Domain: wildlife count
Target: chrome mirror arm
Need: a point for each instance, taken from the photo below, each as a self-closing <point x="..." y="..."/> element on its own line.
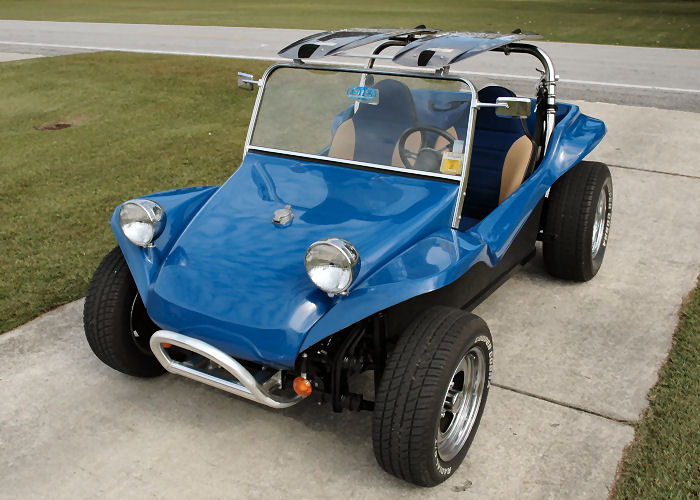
<point x="480" y="105"/>
<point x="247" y="81"/>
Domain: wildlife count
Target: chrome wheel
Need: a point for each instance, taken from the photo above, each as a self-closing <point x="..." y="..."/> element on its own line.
<point x="599" y="223"/>
<point x="460" y="406"/>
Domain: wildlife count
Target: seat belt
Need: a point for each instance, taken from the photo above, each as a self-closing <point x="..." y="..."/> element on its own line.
<point x="538" y="134"/>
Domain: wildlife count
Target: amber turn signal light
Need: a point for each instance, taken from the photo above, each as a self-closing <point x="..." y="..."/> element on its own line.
<point x="166" y="345"/>
<point x="302" y="387"/>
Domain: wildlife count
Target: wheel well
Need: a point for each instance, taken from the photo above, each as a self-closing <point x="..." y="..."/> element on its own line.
<point x="333" y="362"/>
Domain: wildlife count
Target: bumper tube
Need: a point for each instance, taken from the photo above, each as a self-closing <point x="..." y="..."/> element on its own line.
<point x="245" y="385"/>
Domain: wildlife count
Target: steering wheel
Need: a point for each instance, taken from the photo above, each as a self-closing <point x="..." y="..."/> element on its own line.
<point x="426" y="159"/>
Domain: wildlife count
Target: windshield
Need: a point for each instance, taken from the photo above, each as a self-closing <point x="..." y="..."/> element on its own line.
<point x="393" y="121"/>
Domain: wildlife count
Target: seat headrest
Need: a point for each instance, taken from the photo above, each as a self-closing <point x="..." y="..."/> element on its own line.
<point x="486" y="117"/>
<point x="493" y="92"/>
<point x="395" y="104"/>
<point x="441" y="108"/>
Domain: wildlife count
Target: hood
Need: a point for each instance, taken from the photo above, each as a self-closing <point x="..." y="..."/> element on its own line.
<point x="236" y="280"/>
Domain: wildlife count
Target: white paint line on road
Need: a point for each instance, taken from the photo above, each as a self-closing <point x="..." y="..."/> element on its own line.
<point x="265" y="58"/>
<point x="139" y="51"/>
<point x="632" y="86"/>
<point x="585" y="82"/>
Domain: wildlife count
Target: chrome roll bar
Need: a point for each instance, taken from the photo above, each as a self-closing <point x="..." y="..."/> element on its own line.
<point x="549" y="79"/>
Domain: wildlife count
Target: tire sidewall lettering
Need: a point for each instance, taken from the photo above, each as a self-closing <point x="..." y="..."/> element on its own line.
<point x="608" y="213"/>
<point x="443" y="471"/>
<point x="483" y="339"/>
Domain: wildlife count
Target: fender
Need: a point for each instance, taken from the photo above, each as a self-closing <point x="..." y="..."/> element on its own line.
<point x="180" y="206"/>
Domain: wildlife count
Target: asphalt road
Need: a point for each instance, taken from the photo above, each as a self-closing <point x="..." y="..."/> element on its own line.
<point x="573" y="362"/>
<point x="662" y="78"/>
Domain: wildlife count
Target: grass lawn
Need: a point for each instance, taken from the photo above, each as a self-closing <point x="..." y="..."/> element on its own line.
<point x="664" y="460"/>
<point x="142" y="123"/>
<point x="652" y="23"/>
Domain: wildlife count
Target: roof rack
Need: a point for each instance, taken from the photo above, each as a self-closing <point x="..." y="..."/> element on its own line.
<point x="421" y="47"/>
<point x="328" y="43"/>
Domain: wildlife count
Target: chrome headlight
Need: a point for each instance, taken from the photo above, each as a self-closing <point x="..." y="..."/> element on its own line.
<point x="332" y="265"/>
<point x="141" y="221"/>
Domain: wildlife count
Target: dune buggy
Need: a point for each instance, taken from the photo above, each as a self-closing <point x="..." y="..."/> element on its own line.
<point x="374" y="207"/>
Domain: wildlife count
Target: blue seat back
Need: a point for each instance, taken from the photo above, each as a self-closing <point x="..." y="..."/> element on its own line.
<point x="493" y="137"/>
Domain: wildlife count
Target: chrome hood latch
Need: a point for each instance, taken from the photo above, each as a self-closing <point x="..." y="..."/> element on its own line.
<point x="283" y="216"/>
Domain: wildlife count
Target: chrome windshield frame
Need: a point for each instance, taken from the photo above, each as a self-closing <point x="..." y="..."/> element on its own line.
<point x="466" y="153"/>
<point x="359" y="164"/>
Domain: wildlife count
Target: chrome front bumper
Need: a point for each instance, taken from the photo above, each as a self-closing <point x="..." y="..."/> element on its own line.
<point x="244" y="385"/>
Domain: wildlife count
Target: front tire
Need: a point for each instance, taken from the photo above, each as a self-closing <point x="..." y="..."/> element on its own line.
<point x="577" y="222"/>
<point x="116" y="324"/>
<point x="432" y="395"/>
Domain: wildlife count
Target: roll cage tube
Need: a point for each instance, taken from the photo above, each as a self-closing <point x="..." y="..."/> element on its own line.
<point x="548" y="81"/>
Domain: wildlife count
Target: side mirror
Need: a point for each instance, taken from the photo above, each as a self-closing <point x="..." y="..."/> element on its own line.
<point x="516" y="107"/>
<point x="246" y="81"/>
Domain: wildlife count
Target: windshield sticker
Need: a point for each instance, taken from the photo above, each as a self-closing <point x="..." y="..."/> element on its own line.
<point x="363" y="94"/>
<point x="451" y="163"/>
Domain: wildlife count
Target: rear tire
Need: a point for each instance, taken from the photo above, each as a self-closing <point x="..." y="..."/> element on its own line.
<point x="577" y="222"/>
<point x="432" y="395"/>
<point x="116" y="324"/>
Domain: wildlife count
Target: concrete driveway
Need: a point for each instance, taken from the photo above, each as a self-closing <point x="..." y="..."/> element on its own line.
<point x="573" y="363"/>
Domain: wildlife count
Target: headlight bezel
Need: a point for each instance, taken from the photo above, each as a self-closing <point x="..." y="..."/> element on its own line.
<point x="346" y="251"/>
<point x="151" y="213"/>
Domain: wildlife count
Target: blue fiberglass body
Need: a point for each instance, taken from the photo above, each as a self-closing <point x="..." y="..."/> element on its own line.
<point x="224" y="273"/>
